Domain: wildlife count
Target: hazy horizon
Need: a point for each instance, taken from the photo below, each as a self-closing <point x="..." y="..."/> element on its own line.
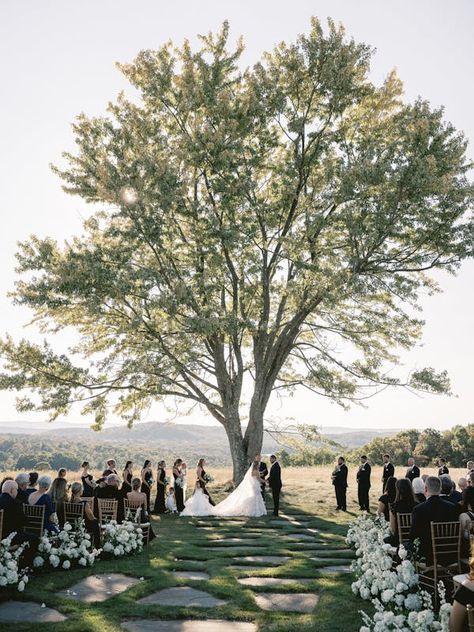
<point x="58" y="60"/>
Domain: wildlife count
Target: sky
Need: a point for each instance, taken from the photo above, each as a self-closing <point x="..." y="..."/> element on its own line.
<point x="57" y="60"/>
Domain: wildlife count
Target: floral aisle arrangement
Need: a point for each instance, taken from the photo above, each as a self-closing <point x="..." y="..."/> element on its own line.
<point x="399" y="602"/>
<point x="68" y="548"/>
<point x="10" y="573"/>
<point x="122" y="539"/>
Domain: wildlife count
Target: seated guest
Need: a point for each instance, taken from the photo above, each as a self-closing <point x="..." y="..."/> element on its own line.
<point x="4" y="480"/>
<point x="424" y="477"/>
<point x="111" y="490"/>
<point x="90" y="521"/>
<point x="110" y="469"/>
<point x="140" y="497"/>
<point x="446" y="488"/>
<point x="14" y="520"/>
<point x="387" y="498"/>
<point x="58" y="493"/>
<point x="418" y="485"/>
<point x="22" y="481"/>
<point x="404" y="503"/>
<point x="32" y="485"/>
<point x="463" y="597"/>
<point x="455" y="496"/>
<point x="465" y="518"/>
<point x="434" y="509"/>
<point x="470" y="479"/>
<point x="462" y="484"/>
<point x="41" y="497"/>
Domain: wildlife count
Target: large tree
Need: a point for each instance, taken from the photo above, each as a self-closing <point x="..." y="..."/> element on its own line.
<point x="257" y="230"/>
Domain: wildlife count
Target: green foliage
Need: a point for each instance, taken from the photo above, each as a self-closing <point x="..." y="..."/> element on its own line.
<point x="253" y="222"/>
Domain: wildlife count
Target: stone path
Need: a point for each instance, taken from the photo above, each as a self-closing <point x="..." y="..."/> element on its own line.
<point x="99" y="587"/>
<point x="183" y="596"/>
<point x="272" y="560"/>
<point x="334" y="569"/>
<point x="288" y="602"/>
<point x="272" y="581"/>
<point x="192" y="575"/>
<point x="209" y="625"/>
<point x="29" y="612"/>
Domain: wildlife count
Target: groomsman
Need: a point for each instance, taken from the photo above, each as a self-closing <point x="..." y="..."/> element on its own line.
<point x="443" y="469"/>
<point x="274" y="482"/>
<point x="339" y="480"/>
<point x="413" y="470"/>
<point x="388" y="470"/>
<point x="363" y="483"/>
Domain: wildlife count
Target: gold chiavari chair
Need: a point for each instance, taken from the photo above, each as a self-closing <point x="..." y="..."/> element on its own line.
<point x="107" y="510"/>
<point x="470" y="617"/>
<point x="404" y="526"/>
<point x="133" y="510"/>
<point x="73" y="513"/>
<point x="89" y="500"/>
<point x="35" y="519"/>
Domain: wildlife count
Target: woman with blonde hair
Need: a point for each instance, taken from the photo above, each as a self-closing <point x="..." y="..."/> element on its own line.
<point x="59" y="496"/>
<point x="90" y="521"/>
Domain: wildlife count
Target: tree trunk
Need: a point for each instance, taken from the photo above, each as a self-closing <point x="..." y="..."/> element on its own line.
<point x="238" y="452"/>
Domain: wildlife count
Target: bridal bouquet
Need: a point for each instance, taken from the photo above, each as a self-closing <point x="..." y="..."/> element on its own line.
<point x="122" y="539"/>
<point x="10" y="573"/>
<point x="66" y="549"/>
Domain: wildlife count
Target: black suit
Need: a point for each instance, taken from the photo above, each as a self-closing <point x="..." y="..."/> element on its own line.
<point x="274" y="482"/>
<point x="434" y="509"/>
<point x="113" y="493"/>
<point x="15" y="520"/>
<point x="412" y="472"/>
<point x="340" y="486"/>
<point x="363" y="485"/>
<point x="263" y="469"/>
<point x="388" y="471"/>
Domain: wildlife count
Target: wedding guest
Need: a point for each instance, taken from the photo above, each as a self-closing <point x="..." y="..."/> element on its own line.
<point x="446" y="488"/>
<point x="90" y="521"/>
<point x="455" y="496"/>
<point x="274" y="482"/>
<point x="41" y="497"/>
<point x="147" y="481"/>
<point x="58" y="493"/>
<point x="404" y="502"/>
<point x="442" y="467"/>
<point x="110" y="469"/>
<point x="434" y="509"/>
<point x="418" y="485"/>
<point x="424" y="477"/>
<point x="201" y="477"/>
<point x="87" y="479"/>
<point x="470" y="469"/>
<point x="465" y="518"/>
<point x="363" y="483"/>
<point x="387" y="498"/>
<point x="32" y="485"/>
<point x="178" y="485"/>
<point x="470" y="480"/>
<point x="339" y="480"/>
<point x="413" y="470"/>
<point x="138" y="496"/>
<point x="463" y="597"/>
<point x="127" y="476"/>
<point x="462" y="483"/>
<point x="15" y="520"/>
<point x="110" y="490"/>
<point x="62" y="472"/>
<point x="388" y="470"/>
<point x="22" y="482"/>
<point x="160" y="506"/>
<point x="171" y="501"/>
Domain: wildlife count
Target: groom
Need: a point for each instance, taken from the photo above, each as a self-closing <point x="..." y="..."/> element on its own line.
<point x="274" y="482"/>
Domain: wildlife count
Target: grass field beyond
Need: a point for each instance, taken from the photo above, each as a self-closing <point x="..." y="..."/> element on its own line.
<point x="189" y="544"/>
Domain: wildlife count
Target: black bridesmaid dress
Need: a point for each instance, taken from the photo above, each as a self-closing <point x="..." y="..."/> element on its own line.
<point x="87" y="489"/>
<point x="127" y="484"/>
<point x="204" y="488"/>
<point x="160" y="506"/>
<point x="146" y="489"/>
<point x="178" y="494"/>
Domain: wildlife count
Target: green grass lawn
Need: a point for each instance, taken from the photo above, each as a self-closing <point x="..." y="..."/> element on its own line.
<point x="181" y="538"/>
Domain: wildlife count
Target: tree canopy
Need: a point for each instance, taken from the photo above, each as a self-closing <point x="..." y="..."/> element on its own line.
<point x="252" y="230"/>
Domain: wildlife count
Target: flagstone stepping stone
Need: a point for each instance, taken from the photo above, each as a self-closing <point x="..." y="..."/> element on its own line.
<point x="99" y="587"/>
<point x="209" y="625"/>
<point x="334" y="569"/>
<point x="273" y="560"/>
<point x="301" y="536"/>
<point x="332" y="552"/>
<point x="244" y="567"/>
<point x="182" y="596"/>
<point x="29" y="611"/>
<point x="272" y="581"/>
<point x="288" y="602"/>
<point x="192" y="575"/>
<point x="196" y="563"/>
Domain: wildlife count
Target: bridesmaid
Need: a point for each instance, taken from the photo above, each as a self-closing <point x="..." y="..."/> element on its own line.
<point x="178" y="481"/>
<point x="88" y="483"/>
<point x="201" y="477"/>
<point x="160" y="506"/>
<point x="127" y="476"/>
<point x="147" y="481"/>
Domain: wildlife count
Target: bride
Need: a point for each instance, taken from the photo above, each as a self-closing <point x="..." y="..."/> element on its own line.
<point x="245" y="500"/>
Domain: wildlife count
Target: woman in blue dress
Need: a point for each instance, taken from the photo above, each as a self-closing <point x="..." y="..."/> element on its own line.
<point x="41" y="497"/>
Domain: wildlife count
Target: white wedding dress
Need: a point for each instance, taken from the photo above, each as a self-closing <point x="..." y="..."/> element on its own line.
<point x="245" y="500"/>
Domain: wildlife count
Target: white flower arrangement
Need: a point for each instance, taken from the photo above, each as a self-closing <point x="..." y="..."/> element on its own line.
<point x="66" y="549"/>
<point x="393" y="589"/>
<point x="179" y="482"/>
<point x="10" y="573"/>
<point x="166" y="480"/>
<point x="122" y="539"/>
